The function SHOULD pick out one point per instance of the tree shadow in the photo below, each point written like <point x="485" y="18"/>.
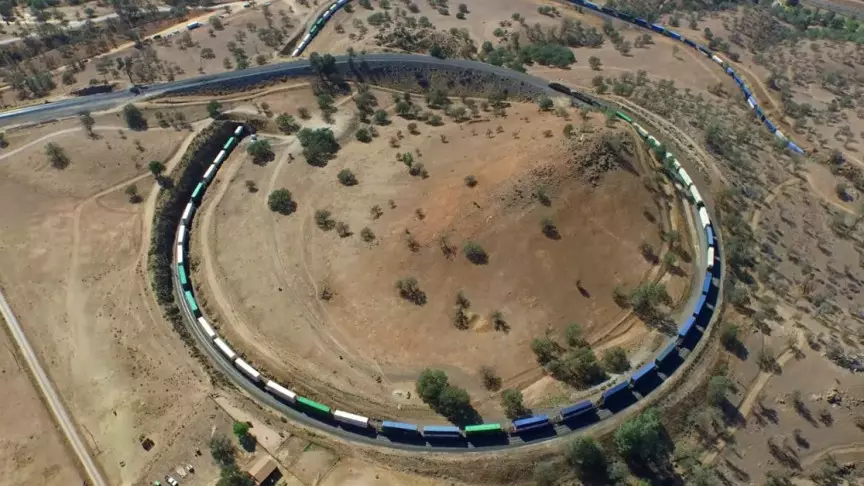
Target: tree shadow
<point x="248" y="442"/>
<point x="738" y="349"/>
<point x="582" y="290"/>
<point x="649" y="216"/>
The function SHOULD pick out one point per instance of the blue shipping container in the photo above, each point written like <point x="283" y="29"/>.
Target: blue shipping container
<point x="658" y="28"/>
<point x="441" y="430"/>
<point x="625" y="16"/>
<point x="706" y="285"/>
<point x="771" y="127"/>
<point x="580" y="2"/>
<point x="620" y="387"/>
<point x="700" y="306"/>
<point x="673" y="34"/>
<point x="576" y="409"/>
<point x="795" y="148"/>
<point x="591" y="5"/>
<point x="531" y="422"/>
<point x="642" y="22"/>
<point x="685" y="329"/>
<point x="730" y="72"/>
<point x="710" y="234"/>
<point x="642" y="372"/>
<point x="689" y="42"/>
<point x="399" y="426"/>
<point x="668" y="351"/>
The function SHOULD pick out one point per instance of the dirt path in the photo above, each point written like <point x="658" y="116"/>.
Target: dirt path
<point x="853" y="448"/>
<point x="51" y="135"/>
<point x="162" y="103"/>
<point x="757" y="213"/>
<point x="751" y="397"/>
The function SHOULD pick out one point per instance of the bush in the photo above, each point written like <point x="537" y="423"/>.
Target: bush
<point x="545" y="103"/>
<point x="363" y="135"/>
<point x="511" y="401"/>
<point x="475" y="253"/>
<point x="455" y="404"/>
<point x="134" y="118"/>
<point x="260" y="151"/>
<point x="729" y="336"/>
<point x="319" y="145"/>
<point x="347" y="178"/>
<point x="587" y="458"/>
<point x="287" y="124"/>
<point x="542" y="196"/>
<point x="222" y="451"/>
<point x="409" y="290"/>
<point x="615" y="360"/>
<point x="323" y="219"/>
<point x="545" y="350"/>
<point x="367" y="235"/>
<point x="343" y="230"/>
<point x="380" y="117"/>
<point x="418" y="170"/>
<point x="642" y="438"/>
<point x="718" y="387"/>
<point x="470" y="181"/>
<point x="132" y="191"/>
<point x="280" y="201"/>
<point x="56" y="156"/>
<point x="491" y="380"/>
<point x="214" y="109"/>
<point x="549" y="229"/>
<point x="574" y="337"/>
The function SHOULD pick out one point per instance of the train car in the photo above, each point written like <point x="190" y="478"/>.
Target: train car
<point x="247" y="369"/>
<point x="225" y="349"/>
<point x="689" y="42"/>
<point x="228" y="144"/>
<point x="779" y="135"/>
<point x="658" y="28"/>
<point x="642" y="22"/>
<point x="709" y="233"/>
<point x="179" y="256"/>
<point x="667" y="353"/>
<point x="238" y="131"/>
<point x="730" y="72"/>
<point x="771" y="127"/>
<point x="530" y="423"/>
<point x="670" y="158"/>
<point x="577" y="409"/>
<point x="685" y="329"/>
<point x="706" y="283"/>
<point x="208" y="176"/>
<point x="614" y="392"/>
<point x="652" y="142"/>
<point x="205" y="326"/>
<point x="609" y="11"/>
<point x="187" y="213"/>
<point x="592" y="5"/>
<point x="751" y="102"/>
<point x="709" y="259"/>
<point x="583" y="98"/>
<point x="697" y="197"/>
<point x="642" y="373"/>
<point x="280" y="391"/>
<point x="717" y="60"/>
<point x="704" y="50"/>
<point x="181" y="274"/>
<point x="737" y="80"/>
<point x="220" y="158"/>
<point x="623" y="116"/>
<point x="685" y="177"/>
<point x="759" y="113"/>
<point x="190" y="300"/>
<point x="441" y="432"/>
<point x="313" y="405"/>
<point x="306" y="39"/>
<point x="578" y="2"/>
<point x="199" y="190"/>
<point x="560" y="88"/>
<point x="703" y="217"/>
<point x="480" y="429"/>
<point x="401" y="428"/>
<point x="674" y="35"/>
<point x="351" y="419"/>
<point x="626" y="16"/>
<point x="181" y="235"/>
<point x="641" y="131"/>
<point x="795" y="148"/>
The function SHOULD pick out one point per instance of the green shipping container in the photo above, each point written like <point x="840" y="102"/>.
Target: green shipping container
<point x="229" y="143"/>
<point x="623" y="117"/>
<point x="313" y="405"/>
<point x="199" y="189"/>
<point x="473" y="429"/>
<point x="182" y="272"/>
<point x="191" y="301"/>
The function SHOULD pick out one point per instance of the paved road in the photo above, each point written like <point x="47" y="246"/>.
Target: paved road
<point x="51" y="397"/>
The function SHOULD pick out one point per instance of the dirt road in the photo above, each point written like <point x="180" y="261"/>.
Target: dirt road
<point x="52" y="399"/>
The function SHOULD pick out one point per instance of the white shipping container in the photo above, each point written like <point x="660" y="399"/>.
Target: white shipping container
<point x="697" y="198"/>
<point x="685" y="177"/>
<point x="703" y="217"/>
<point x="779" y="135"/>
<point x="181" y="238"/>
<point x="717" y="59"/>
<point x="280" y="391"/>
<point x="180" y="254"/>
<point x="709" y="258"/>
<point x="350" y="418"/>
<point x="247" y="369"/>
<point x="206" y="327"/>
<point x="209" y="174"/>
<point x="238" y="130"/>
<point x="219" y="158"/>
<point x="751" y="103"/>
<point x="228" y="352"/>
<point x="187" y="213"/>
<point x="653" y="141"/>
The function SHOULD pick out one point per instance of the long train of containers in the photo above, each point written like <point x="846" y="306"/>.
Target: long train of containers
<point x="642" y="381"/>
<point x="317" y="25"/>
<point x="745" y="90"/>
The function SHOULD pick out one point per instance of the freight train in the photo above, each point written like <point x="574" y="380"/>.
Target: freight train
<point x="316" y="26"/>
<point x="612" y="400"/>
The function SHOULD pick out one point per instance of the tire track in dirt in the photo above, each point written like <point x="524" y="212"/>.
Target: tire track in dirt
<point x="853" y="448"/>
<point x="62" y="132"/>
<point x="751" y="397"/>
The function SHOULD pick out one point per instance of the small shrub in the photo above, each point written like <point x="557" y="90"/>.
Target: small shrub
<point x="280" y="201"/>
<point x="542" y="196"/>
<point x="418" y="170"/>
<point x="498" y="321"/>
<point x="132" y="191"/>
<point x="376" y="211"/>
<point x="549" y="229"/>
<point x="323" y="219"/>
<point x="363" y="135"/>
<point x="343" y="230"/>
<point x="347" y="178"/>
<point x="447" y="249"/>
<point x="470" y="181"/>
<point x="367" y="235"/>
<point x="251" y="186"/>
<point x="491" y="380"/>
<point x="615" y="360"/>
<point x="475" y="253"/>
<point x="411" y="242"/>
<point x="409" y="290"/>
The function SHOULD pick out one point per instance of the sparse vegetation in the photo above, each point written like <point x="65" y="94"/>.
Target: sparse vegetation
<point x="280" y="201"/>
<point x="511" y="401"/>
<point x="324" y="219"/>
<point x="475" y="253"/>
<point x="347" y="178"/>
<point x="409" y="289"/>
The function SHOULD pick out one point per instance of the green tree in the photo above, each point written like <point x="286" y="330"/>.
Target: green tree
<point x="511" y="401"/>
<point x="595" y="63"/>
<point x="287" y="124"/>
<point x="214" y="109"/>
<point x="380" y="117"/>
<point x="281" y="201"/>
<point x="729" y="335"/>
<point x="574" y="336"/>
<point x="319" y="145"/>
<point x="642" y="438"/>
<point x="87" y="122"/>
<point x="475" y="253"/>
<point x="615" y="360"/>
<point x="260" y="151"/>
<point x="718" y="387"/>
<point x="363" y="135"/>
<point x="545" y="103"/>
<point x="545" y="350"/>
<point x="430" y="385"/>
<point x="134" y="118"/>
<point x="347" y="178"/>
<point x="132" y="191"/>
<point x="222" y="451"/>
<point x="241" y="429"/>
<point x="215" y="22"/>
<point x="587" y="458"/>
<point x="231" y="476"/>
<point x="56" y="156"/>
<point x="156" y="168"/>
<point x="455" y="404"/>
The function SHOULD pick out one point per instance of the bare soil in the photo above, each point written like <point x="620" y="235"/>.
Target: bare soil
<point x="266" y="285"/>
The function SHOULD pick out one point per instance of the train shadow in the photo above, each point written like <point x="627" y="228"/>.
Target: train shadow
<point x="539" y="433"/>
<point x="405" y="438"/>
<point x="488" y="440"/>
<point x="450" y="442"/>
<point x="582" y="420"/>
<point x="620" y="401"/>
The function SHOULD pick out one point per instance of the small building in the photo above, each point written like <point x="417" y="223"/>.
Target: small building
<point x="263" y="470"/>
